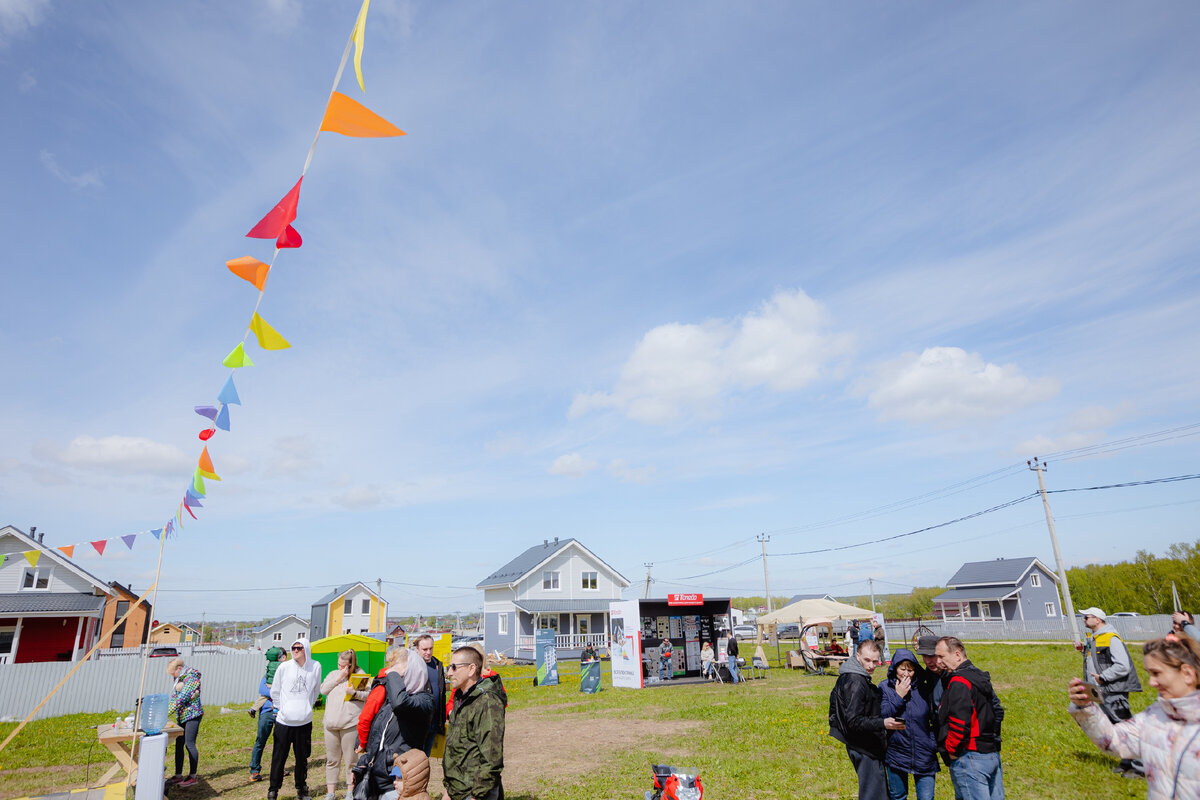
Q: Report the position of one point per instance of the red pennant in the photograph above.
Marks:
(189, 510)
(277, 224)
(207, 433)
(100, 546)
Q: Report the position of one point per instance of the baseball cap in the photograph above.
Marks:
(1094, 612)
(927, 645)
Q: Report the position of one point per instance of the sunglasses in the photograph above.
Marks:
(297, 648)
(452, 666)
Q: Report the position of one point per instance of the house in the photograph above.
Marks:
(280, 632)
(170, 633)
(50, 608)
(798, 597)
(352, 608)
(1001, 589)
(396, 634)
(557, 585)
(135, 630)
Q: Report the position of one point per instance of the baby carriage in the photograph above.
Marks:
(675, 784)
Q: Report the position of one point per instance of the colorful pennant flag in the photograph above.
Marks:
(360, 29)
(237, 358)
(207, 411)
(190, 499)
(128, 540)
(277, 224)
(349, 117)
(67, 549)
(3, 558)
(207, 434)
(223, 418)
(229, 395)
(100, 545)
(250, 269)
(188, 509)
(198, 483)
(268, 337)
(157, 533)
(32, 557)
(206, 466)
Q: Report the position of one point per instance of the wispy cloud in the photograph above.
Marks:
(81, 181)
(572, 465)
(625, 473)
(130, 455)
(19, 16)
(26, 82)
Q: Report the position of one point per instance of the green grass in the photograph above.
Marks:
(764, 739)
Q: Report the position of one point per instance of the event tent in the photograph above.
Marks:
(816, 607)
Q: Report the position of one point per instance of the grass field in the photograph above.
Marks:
(764, 739)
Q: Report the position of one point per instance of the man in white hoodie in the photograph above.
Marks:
(296, 688)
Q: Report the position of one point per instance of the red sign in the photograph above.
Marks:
(685, 599)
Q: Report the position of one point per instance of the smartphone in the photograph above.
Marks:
(1094, 692)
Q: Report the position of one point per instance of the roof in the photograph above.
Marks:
(977, 593)
(597, 605)
(278, 620)
(57, 556)
(534, 557)
(73, 603)
(341, 590)
(798, 597)
(806, 609)
(1000, 571)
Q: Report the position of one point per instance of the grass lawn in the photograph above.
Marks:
(764, 739)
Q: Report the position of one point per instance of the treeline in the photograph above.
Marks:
(1142, 585)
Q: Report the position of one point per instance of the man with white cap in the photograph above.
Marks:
(1107, 664)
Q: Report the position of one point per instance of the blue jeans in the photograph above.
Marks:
(664, 669)
(977, 776)
(266, 723)
(733, 669)
(898, 785)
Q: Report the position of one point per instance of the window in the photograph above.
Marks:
(589, 580)
(118, 637)
(36, 579)
(550, 580)
(548, 623)
(1035, 580)
(348, 607)
(362, 630)
(301, 635)
(278, 637)
(347, 630)
(1050, 610)
(502, 624)
(366, 606)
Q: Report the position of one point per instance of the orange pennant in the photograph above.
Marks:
(250, 269)
(349, 117)
(68, 549)
(206, 464)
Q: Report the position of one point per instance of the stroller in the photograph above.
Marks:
(675, 784)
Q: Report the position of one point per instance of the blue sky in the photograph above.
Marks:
(659, 277)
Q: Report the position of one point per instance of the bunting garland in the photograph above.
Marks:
(342, 115)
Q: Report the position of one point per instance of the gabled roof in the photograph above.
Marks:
(341, 590)
(56, 556)
(71, 603)
(997, 572)
(798, 597)
(536, 556)
(278, 620)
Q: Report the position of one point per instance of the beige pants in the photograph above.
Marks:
(339, 753)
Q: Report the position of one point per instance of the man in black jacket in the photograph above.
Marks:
(855, 720)
(969, 725)
(437, 683)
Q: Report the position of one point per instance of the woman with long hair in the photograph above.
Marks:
(342, 706)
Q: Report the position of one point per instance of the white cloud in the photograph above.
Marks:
(80, 181)
(1087, 426)
(26, 82)
(18, 16)
(124, 454)
(679, 368)
(947, 385)
(360, 498)
(293, 457)
(627, 474)
(572, 465)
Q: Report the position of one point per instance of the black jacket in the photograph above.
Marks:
(438, 685)
(855, 714)
(413, 711)
(968, 719)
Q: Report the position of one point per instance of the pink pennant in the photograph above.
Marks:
(277, 224)
(100, 545)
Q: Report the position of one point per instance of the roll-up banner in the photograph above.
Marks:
(547, 658)
(589, 677)
(626, 645)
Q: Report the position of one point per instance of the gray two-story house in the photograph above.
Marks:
(1001, 589)
(557, 585)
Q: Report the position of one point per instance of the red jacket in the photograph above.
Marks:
(374, 701)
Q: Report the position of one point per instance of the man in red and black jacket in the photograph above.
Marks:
(969, 725)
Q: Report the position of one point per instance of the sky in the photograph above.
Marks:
(660, 277)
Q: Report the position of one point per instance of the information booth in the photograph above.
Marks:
(687, 620)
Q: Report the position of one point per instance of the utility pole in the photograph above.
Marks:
(202, 616)
(763, 539)
(646, 591)
(871, 583)
(1039, 467)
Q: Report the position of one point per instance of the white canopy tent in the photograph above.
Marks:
(807, 609)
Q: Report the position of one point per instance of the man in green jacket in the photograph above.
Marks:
(474, 756)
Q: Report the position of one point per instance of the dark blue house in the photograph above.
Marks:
(1001, 589)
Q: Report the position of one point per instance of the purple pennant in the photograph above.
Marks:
(192, 499)
(207, 411)
(128, 540)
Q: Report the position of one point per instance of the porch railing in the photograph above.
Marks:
(567, 641)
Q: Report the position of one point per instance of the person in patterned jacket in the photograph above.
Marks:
(185, 705)
(474, 758)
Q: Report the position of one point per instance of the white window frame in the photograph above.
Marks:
(594, 580)
(277, 636)
(1050, 612)
(548, 622)
(1035, 580)
(348, 608)
(550, 581)
(366, 606)
(39, 574)
(301, 635)
(502, 624)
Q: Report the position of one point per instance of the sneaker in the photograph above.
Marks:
(302, 794)
(331, 796)
(190, 780)
(174, 779)
(255, 777)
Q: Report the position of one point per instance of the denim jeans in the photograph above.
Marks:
(872, 782)
(733, 669)
(898, 785)
(977, 776)
(266, 723)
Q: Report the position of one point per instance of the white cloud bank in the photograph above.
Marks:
(681, 368)
(127, 455)
(947, 385)
(18, 16)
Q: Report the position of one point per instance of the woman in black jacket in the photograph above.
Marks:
(399, 725)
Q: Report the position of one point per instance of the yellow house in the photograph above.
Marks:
(352, 608)
(170, 633)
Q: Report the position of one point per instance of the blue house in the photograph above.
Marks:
(557, 585)
(1001, 589)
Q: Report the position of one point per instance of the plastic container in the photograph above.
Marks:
(154, 713)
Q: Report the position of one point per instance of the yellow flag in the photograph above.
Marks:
(32, 557)
(360, 29)
(268, 337)
(237, 357)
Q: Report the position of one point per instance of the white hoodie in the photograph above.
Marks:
(296, 688)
